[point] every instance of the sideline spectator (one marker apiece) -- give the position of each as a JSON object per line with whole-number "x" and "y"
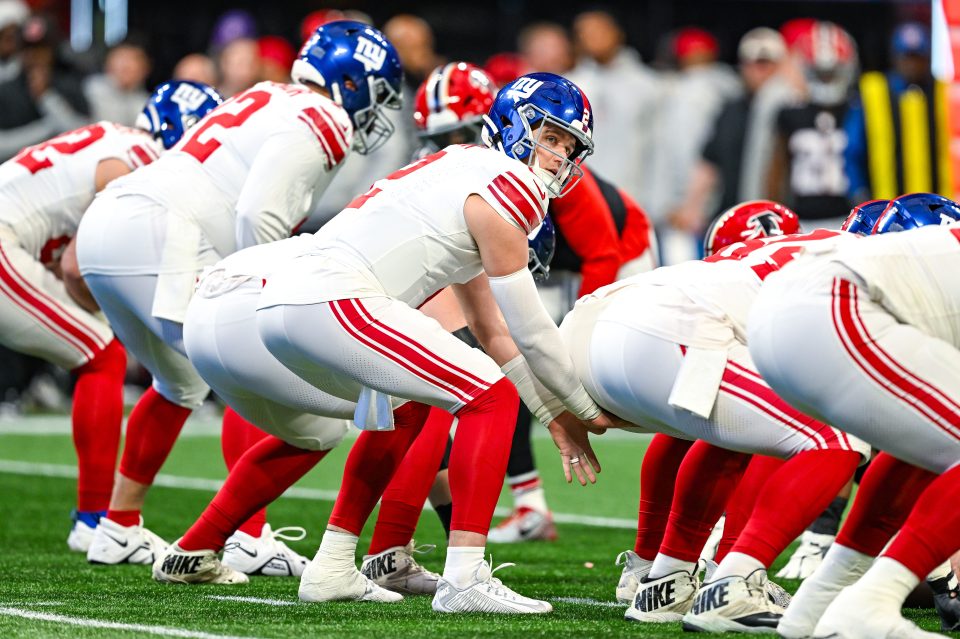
{"x": 239, "y": 64}
{"x": 235, "y": 24}
{"x": 276, "y": 57}
{"x": 623, "y": 94}
{"x": 505, "y": 67}
{"x": 196, "y": 67}
{"x": 118, "y": 94}
{"x": 546, "y": 47}
{"x": 13, "y": 13}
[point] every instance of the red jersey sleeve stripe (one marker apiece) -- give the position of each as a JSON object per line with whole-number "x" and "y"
{"x": 508, "y": 207}
{"x": 521, "y": 203}
{"x": 537, "y": 201}
{"x": 333, "y": 143}
{"x": 320, "y": 138}
{"x": 337, "y": 130}
{"x": 142, "y": 154}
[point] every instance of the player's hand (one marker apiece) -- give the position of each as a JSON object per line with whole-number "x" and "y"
{"x": 576, "y": 453}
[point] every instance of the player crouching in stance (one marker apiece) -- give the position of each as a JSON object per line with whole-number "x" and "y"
{"x": 45, "y": 308}
{"x": 247, "y": 174}
{"x": 881, "y": 316}
{"x": 666, "y": 350}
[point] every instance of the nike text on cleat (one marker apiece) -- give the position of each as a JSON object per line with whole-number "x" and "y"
{"x": 325, "y": 579}
{"x": 808, "y": 555}
{"x": 267, "y": 554}
{"x": 486, "y": 594}
{"x": 733, "y": 604}
{"x": 634, "y": 569}
{"x": 524, "y": 524}
{"x": 116, "y": 544}
{"x": 179, "y": 566}
{"x": 395, "y": 569}
{"x": 857, "y": 613}
{"x": 664, "y": 599}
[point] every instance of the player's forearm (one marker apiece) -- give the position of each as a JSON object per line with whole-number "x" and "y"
{"x": 260, "y": 227}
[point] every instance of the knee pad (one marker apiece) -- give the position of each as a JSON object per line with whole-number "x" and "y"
{"x": 188, "y": 393}
{"x": 112, "y": 359}
{"x": 319, "y": 433}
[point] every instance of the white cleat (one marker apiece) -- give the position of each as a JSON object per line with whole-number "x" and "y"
{"x": 634, "y": 569}
{"x": 814, "y": 596}
{"x": 665, "y": 599}
{"x": 179, "y": 566}
{"x": 395, "y": 569}
{"x": 808, "y": 555}
{"x": 524, "y": 524}
{"x": 267, "y": 554}
{"x": 855, "y": 614}
{"x": 116, "y": 544}
{"x": 486, "y": 594}
{"x": 80, "y": 537}
{"x": 734, "y": 604}
{"x": 328, "y": 580}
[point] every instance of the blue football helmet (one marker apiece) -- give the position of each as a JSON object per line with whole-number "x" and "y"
{"x": 542, "y": 242}
{"x": 174, "y": 107}
{"x": 361, "y": 70}
{"x": 864, "y": 216}
{"x": 915, "y": 210}
{"x": 514, "y": 125}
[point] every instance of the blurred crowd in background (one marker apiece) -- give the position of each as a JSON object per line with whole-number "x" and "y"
{"x": 787, "y": 113}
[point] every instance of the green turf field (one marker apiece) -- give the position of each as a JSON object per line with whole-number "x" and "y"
{"x": 46, "y": 591}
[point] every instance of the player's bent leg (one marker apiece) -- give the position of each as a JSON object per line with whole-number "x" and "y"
{"x": 871, "y": 607}
{"x": 741, "y": 503}
{"x": 237, "y": 437}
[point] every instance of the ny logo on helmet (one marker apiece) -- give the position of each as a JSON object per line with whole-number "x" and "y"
{"x": 371, "y": 54}
{"x": 523, "y": 89}
{"x": 764, "y": 224}
{"x": 188, "y": 97}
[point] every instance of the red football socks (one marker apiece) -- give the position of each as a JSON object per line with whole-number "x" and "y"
{"x": 152, "y": 429}
{"x": 372, "y": 462}
{"x": 97, "y": 416}
{"x": 238, "y": 437}
{"x": 408, "y": 490}
{"x": 793, "y": 497}
{"x": 259, "y": 477}
{"x": 743, "y": 500}
{"x": 478, "y": 461}
{"x": 658, "y": 476}
{"x": 887, "y": 493}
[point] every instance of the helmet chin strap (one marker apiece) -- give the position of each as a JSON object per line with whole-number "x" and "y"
{"x": 549, "y": 179}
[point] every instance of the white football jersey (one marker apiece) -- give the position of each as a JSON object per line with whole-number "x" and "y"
{"x": 248, "y": 172}
{"x": 45, "y": 188}
{"x": 705, "y": 303}
{"x": 406, "y": 237}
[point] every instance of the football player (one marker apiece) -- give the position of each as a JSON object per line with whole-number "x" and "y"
{"x": 675, "y": 361}
{"x": 247, "y": 174}
{"x": 45, "y": 309}
{"x": 881, "y": 316}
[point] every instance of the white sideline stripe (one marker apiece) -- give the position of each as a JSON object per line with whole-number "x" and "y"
{"x": 256, "y": 600}
{"x": 163, "y": 631}
{"x": 15, "y": 467}
{"x": 590, "y": 602}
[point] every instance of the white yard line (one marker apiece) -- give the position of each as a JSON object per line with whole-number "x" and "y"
{"x": 256, "y": 600}
{"x": 15, "y": 467}
{"x": 590, "y": 602}
{"x": 162, "y": 631}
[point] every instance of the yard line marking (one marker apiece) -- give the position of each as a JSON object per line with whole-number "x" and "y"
{"x": 590, "y": 602}
{"x": 163, "y": 631}
{"x": 34, "y": 603}
{"x": 15, "y": 467}
{"x": 258, "y": 600}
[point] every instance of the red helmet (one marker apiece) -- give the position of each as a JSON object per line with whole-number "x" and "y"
{"x": 829, "y": 58}
{"x": 454, "y": 97}
{"x": 748, "y": 221}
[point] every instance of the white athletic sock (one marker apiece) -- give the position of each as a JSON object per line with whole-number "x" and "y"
{"x": 888, "y": 580}
{"x": 842, "y": 565}
{"x": 737, "y": 564}
{"x": 534, "y": 499}
{"x": 462, "y": 564}
{"x": 338, "y": 550}
{"x": 664, "y": 565}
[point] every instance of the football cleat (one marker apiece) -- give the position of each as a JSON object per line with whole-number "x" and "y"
{"x": 267, "y": 554}
{"x": 812, "y": 598}
{"x": 179, "y": 566}
{"x": 664, "y": 599}
{"x": 734, "y": 604}
{"x": 946, "y": 599}
{"x": 395, "y": 569}
{"x": 776, "y": 594}
{"x": 486, "y": 594}
{"x": 524, "y": 524}
{"x": 327, "y": 580}
{"x": 81, "y": 534}
{"x": 116, "y": 544}
{"x": 857, "y": 614}
{"x": 634, "y": 569}
{"x": 808, "y": 555}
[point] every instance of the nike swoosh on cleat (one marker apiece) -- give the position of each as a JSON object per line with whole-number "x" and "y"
{"x": 252, "y": 554}
{"x": 119, "y": 542}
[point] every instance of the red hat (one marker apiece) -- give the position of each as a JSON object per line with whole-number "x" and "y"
{"x": 277, "y": 49}
{"x": 504, "y": 68}
{"x": 793, "y": 30}
{"x": 693, "y": 41}
{"x": 317, "y": 19}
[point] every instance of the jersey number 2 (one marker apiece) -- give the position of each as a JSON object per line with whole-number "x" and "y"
{"x": 255, "y": 100}
{"x": 36, "y": 158}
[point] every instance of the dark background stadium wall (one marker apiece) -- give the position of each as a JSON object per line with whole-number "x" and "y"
{"x": 474, "y": 30}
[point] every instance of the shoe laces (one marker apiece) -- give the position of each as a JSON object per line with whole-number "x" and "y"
{"x": 494, "y": 584}
{"x": 622, "y": 558}
{"x": 281, "y": 533}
